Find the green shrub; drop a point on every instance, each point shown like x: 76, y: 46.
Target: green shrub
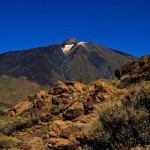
x: 55, y: 110
x: 80, y: 99
x: 122, y: 123
x: 19, y: 124
x: 95, y: 131
x: 31, y: 97
x: 7, y: 142
x: 2, y: 111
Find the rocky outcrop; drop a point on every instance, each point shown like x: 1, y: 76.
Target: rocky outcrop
x: 20, y: 108
x: 74, y: 111
x: 64, y: 134
x: 135, y: 71
x: 64, y: 111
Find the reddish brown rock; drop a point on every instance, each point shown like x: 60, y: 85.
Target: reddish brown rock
x: 75, y: 110
x: 20, y: 108
x: 42, y: 94
x: 64, y: 134
x: 32, y: 143
x: 60, y: 88
x: 135, y: 71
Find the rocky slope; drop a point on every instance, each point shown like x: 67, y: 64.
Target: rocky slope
x: 135, y: 71
x: 69, y: 60
x: 62, y: 113
x: 72, y: 115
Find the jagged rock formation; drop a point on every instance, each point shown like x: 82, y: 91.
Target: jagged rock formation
x: 69, y: 60
x: 64, y: 111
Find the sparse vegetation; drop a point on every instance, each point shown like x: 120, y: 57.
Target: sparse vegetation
x: 14, y: 90
x: 17, y: 124
x: 8, y: 142
x: 80, y: 99
x: 54, y: 110
x: 124, y: 122
x: 2, y: 111
x: 31, y: 97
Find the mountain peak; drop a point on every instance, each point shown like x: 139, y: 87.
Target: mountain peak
x: 68, y: 44
x: 70, y: 41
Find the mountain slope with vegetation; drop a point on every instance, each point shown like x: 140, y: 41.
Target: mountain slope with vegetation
x: 14, y: 90
x: 71, y: 115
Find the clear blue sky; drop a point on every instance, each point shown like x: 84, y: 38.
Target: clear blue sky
x: 118, y: 24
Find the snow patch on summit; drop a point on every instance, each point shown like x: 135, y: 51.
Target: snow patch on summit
x: 67, y: 48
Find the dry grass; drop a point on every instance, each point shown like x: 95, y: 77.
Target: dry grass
x: 14, y: 90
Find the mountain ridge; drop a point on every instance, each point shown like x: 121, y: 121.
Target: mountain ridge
x: 46, y: 65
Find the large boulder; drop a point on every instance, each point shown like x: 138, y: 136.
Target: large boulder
x: 74, y: 111
x: 65, y: 134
